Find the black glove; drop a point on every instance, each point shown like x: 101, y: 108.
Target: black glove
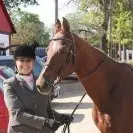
x: 52, y: 124
x: 66, y: 119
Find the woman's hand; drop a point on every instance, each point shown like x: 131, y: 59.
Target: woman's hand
x: 66, y: 119
x: 52, y: 124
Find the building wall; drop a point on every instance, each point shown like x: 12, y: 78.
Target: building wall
x: 129, y: 55
x: 4, y: 42
x: 4, y: 23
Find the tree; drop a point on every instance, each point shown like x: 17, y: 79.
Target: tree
x: 114, y: 18
x: 103, y: 7
x: 75, y: 21
x: 86, y: 25
x: 16, y: 3
x: 123, y: 30
x: 29, y: 29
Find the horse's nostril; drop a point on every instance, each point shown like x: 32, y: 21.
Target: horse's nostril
x: 38, y: 86
x: 44, y: 89
x: 45, y: 84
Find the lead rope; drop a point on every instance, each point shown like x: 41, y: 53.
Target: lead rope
x: 67, y: 126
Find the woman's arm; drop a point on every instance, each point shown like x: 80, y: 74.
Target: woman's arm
x: 62, y: 118
x: 17, y: 111
x: 52, y: 113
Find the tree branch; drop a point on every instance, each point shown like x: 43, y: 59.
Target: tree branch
x: 101, y: 2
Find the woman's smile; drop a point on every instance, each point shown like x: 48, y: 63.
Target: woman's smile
x: 24, y: 65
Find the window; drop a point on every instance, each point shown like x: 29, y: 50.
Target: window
x: 130, y: 56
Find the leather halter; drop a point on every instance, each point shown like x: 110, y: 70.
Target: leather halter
x: 74, y: 54
x: 99, y: 65
x: 70, y: 56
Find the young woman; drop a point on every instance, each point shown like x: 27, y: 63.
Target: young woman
x: 29, y: 111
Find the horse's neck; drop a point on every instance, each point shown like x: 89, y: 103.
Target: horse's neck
x: 87, y: 59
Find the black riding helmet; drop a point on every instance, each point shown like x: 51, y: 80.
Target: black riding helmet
x: 24, y: 51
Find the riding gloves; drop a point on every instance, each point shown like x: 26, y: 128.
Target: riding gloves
x: 66, y: 119
x: 52, y: 124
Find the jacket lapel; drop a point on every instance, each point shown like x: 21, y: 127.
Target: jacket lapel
x: 23, y: 84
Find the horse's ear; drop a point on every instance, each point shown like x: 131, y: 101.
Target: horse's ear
x: 65, y: 25
x: 57, y: 26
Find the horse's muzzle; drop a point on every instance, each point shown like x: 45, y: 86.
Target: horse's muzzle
x: 45, y: 88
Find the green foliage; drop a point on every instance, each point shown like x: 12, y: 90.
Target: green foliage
x: 93, y: 21
x: 19, y: 16
x: 95, y: 12
x: 75, y: 21
x: 29, y: 29
x: 16, y: 3
x: 87, y: 25
x: 87, y: 5
x: 123, y: 30
x: 96, y: 17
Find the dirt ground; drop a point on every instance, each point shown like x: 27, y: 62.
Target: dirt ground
x: 70, y: 95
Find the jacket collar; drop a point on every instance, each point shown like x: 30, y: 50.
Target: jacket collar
x: 19, y: 78
x: 23, y: 84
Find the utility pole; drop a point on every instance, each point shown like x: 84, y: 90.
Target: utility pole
x: 56, y: 10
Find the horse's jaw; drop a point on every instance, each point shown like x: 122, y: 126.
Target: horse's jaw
x: 71, y: 69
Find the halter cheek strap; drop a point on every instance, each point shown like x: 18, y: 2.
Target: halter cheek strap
x: 69, y: 57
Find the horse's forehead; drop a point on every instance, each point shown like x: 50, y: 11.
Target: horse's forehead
x: 55, y: 45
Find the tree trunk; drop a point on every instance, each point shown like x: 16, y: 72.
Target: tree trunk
x: 120, y: 54
x: 111, y: 47
x: 125, y: 53
x: 104, y: 26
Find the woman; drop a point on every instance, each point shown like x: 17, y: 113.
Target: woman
x: 29, y: 111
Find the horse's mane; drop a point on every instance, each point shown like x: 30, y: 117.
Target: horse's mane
x: 87, y: 43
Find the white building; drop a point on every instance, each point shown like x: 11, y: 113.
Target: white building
x: 129, y: 55
x: 6, y: 28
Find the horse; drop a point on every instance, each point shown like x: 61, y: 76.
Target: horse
x: 108, y: 82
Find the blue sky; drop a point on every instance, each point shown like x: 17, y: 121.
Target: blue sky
x: 46, y: 10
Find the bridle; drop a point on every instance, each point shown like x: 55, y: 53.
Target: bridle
x: 70, y: 57
x: 99, y: 65
x: 72, y: 49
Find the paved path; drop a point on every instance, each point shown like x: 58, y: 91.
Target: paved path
x: 70, y: 95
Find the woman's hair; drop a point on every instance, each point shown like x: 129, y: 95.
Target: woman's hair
x: 24, y: 51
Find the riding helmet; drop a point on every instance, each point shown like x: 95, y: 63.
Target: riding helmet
x: 24, y: 51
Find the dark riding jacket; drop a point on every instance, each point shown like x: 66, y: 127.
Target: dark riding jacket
x: 27, y: 109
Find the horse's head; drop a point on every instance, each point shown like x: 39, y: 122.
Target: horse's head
x: 60, y: 57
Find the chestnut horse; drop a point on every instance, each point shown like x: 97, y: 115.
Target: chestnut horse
x: 108, y: 82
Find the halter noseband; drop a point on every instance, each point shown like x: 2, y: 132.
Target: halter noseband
x: 70, y: 56
x: 62, y: 38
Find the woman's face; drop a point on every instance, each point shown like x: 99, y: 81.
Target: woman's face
x: 24, y: 65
